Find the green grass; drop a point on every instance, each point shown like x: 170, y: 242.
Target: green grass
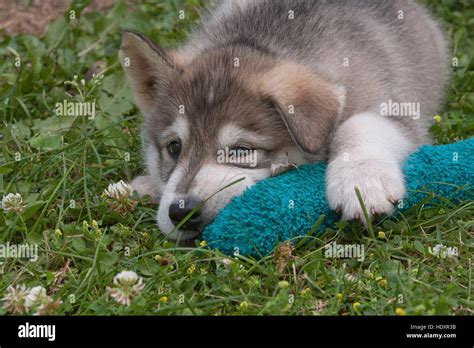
x: 66, y: 163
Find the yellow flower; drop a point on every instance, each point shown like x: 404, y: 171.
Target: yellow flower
x: 382, y: 282
x: 305, y: 292
x: 437, y: 118
x: 283, y: 284
x: 381, y: 234
x: 158, y: 258
x: 163, y: 299
x: 369, y: 274
x: 168, y: 244
x: 339, y: 296
x: 356, y: 306
x: 202, y: 244
x: 244, y: 305
x: 191, y: 269
x: 400, y: 311
x: 58, y: 232
x: 95, y: 225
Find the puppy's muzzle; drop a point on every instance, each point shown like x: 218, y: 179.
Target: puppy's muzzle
x: 178, y: 212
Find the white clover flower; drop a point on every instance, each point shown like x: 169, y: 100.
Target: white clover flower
x: 128, y: 285
x: 12, y: 202
x: 350, y: 277
x: 47, y: 307
x: 126, y: 278
x: 441, y: 251
x: 226, y: 262
x: 119, y: 190
x: 21, y: 299
x: 97, y: 79
x: 36, y: 296
x: 14, y: 299
x: 119, y: 195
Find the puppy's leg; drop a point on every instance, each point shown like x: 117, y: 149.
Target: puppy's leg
x: 366, y: 152
x: 145, y: 185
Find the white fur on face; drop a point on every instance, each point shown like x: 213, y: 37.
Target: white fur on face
x: 370, y: 152
x: 151, y: 184
x: 151, y: 158
x: 210, y: 179
x: 179, y: 128
x: 213, y: 177
x: 230, y: 134
x: 164, y: 222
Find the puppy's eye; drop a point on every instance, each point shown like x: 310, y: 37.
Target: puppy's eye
x: 241, y: 149
x: 174, y: 148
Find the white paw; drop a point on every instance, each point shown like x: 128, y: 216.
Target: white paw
x: 380, y: 183
x: 144, y: 185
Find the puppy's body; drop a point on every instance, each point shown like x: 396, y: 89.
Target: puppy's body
x: 376, y: 50
x: 303, y: 79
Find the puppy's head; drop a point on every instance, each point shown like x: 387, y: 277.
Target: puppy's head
x: 216, y: 123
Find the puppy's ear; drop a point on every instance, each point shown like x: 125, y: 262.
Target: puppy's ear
x: 308, y: 105
x: 145, y: 64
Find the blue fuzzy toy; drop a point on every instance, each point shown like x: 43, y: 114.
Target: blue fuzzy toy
x: 286, y: 206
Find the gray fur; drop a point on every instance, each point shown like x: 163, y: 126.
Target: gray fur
x: 389, y: 58
x: 404, y: 60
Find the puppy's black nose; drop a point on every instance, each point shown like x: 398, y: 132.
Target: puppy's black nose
x: 177, y: 212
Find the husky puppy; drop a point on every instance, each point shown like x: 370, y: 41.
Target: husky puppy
x: 353, y: 82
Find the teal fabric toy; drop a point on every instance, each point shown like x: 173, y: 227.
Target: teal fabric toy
x: 286, y: 206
